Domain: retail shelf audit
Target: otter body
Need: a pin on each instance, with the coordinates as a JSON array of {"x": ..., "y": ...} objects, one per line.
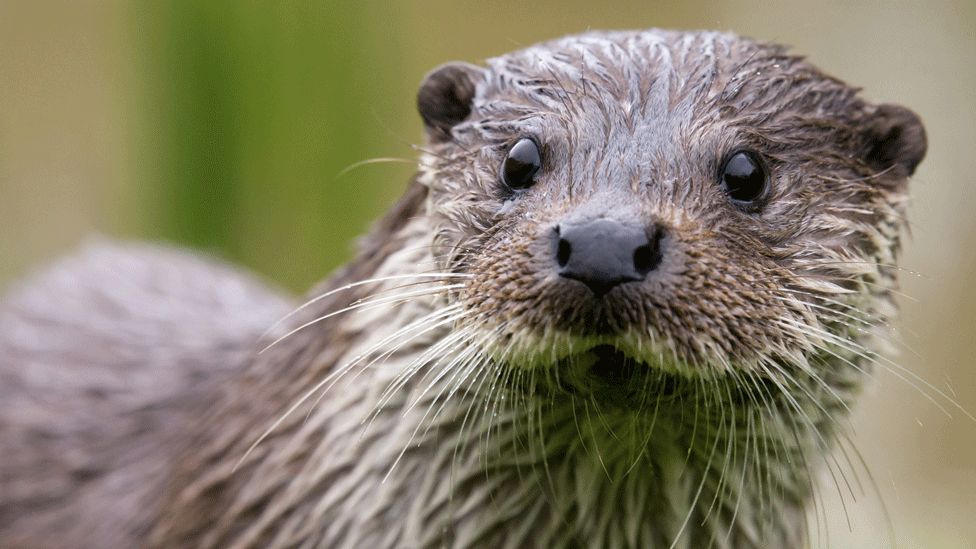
[{"x": 627, "y": 301}]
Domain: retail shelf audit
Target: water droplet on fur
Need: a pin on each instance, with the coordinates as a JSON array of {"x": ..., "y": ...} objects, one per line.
[{"x": 507, "y": 207}]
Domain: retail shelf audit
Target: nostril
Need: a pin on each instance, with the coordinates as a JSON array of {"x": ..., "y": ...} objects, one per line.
[
  {"x": 648, "y": 256},
  {"x": 644, "y": 259},
  {"x": 563, "y": 252}
]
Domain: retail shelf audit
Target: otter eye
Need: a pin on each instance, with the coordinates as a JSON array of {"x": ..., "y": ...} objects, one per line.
[
  {"x": 744, "y": 177},
  {"x": 521, "y": 164}
]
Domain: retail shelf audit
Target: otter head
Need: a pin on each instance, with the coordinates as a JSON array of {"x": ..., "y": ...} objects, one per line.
[{"x": 697, "y": 204}]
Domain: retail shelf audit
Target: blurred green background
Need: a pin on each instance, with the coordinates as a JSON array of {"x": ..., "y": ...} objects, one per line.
[{"x": 225, "y": 125}]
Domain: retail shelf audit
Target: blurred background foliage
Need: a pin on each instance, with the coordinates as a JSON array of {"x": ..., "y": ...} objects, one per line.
[
  {"x": 229, "y": 127},
  {"x": 256, "y": 109}
]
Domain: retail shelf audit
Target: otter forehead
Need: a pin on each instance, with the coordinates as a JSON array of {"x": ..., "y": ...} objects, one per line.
[
  {"x": 655, "y": 85},
  {"x": 632, "y": 76},
  {"x": 635, "y": 108}
]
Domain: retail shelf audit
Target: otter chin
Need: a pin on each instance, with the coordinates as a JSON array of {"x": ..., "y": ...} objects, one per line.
[
  {"x": 609, "y": 375},
  {"x": 628, "y": 300}
]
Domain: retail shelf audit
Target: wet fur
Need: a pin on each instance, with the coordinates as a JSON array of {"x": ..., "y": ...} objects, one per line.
[{"x": 458, "y": 415}]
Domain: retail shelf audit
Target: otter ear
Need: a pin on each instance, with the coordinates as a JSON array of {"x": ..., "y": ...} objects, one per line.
[
  {"x": 445, "y": 97},
  {"x": 896, "y": 141}
]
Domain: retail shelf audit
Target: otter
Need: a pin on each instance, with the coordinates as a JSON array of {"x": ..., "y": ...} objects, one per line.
[{"x": 628, "y": 300}]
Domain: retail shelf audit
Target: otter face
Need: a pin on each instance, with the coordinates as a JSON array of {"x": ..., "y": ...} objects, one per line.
[{"x": 696, "y": 202}]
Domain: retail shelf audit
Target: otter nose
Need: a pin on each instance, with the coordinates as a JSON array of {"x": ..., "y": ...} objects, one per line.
[{"x": 604, "y": 253}]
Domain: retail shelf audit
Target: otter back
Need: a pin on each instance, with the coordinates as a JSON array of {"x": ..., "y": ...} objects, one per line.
[{"x": 99, "y": 357}]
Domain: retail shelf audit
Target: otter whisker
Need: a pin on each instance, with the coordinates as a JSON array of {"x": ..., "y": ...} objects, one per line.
[
  {"x": 473, "y": 403},
  {"x": 698, "y": 492},
  {"x": 869, "y": 329},
  {"x": 642, "y": 447},
  {"x": 595, "y": 439},
  {"x": 535, "y": 422},
  {"x": 347, "y": 287},
  {"x": 845, "y": 306},
  {"x": 489, "y": 413},
  {"x": 445, "y": 345},
  {"x": 834, "y": 462},
  {"x": 806, "y": 468},
  {"x": 472, "y": 349},
  {"x": 476, "y": 412},
  {"x": 831, "y": 419},
  {"x": 370, "y": 161},
  {"x": 890, "y": 366},
  {"x": 861, "y": 325},
  {"x": 460, "y": 445},
  {"x": 859, "y": 279},
  {"x": 365, "y": 305},
  {"x": 730, "y": 449},
  {"x": 497, "y": 388},
  {"x": 380, "y": 358},
  {"x": 853, "y": 261},
  {"x": 603, "y": 420},
  {"x": 405, "y": 447},
  {"x": 807, "y": 369},
  {"x": 875, "y": 175},
  {"x": 889, "y": 523},
  {"x": 461, "y": 367},
  {"x": 761, "y": 456},
  {"x": 742, "y": 480},
  {"x": 341, "y": 371},
  {"x": 791, "y": 379}
]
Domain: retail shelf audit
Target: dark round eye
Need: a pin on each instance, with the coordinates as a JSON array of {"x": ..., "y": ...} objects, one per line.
[
  {"x": 744, "y": 177},
  {"x": 521, "y": 164}
]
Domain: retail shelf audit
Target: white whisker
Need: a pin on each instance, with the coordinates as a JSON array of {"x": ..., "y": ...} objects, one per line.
[{"x": 436, "y": 276}]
